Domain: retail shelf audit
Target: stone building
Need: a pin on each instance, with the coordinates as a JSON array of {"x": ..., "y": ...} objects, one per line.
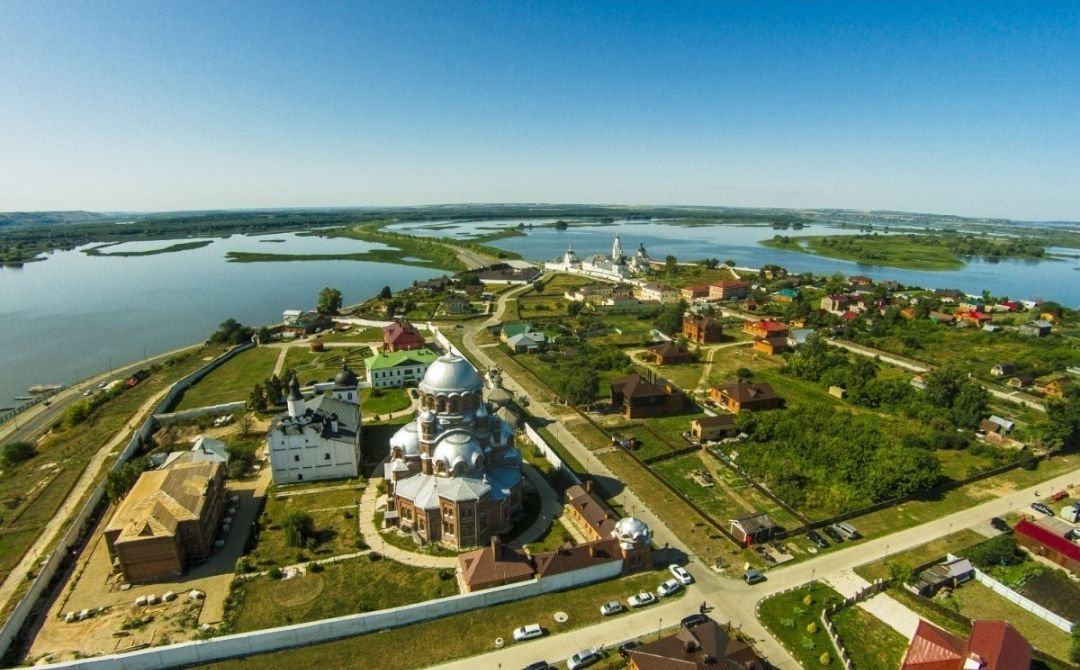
[
  {"x": 167, "y": 521},
  {"x": 454, "y": 472}
]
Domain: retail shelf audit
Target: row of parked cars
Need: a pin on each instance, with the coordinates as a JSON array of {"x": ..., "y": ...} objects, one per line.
[
  {"x": 586, "y": 657},
  {"x": 837, "y": 532}
]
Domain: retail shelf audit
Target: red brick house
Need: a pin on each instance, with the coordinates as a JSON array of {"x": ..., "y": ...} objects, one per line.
[
  {"x": 402, "y": 336},
  {"x": 702, "y": 329}
]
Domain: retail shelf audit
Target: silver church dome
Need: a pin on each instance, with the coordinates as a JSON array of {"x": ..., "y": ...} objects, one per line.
[
  {"x": 408, "y": 439},
  {"x": 632, "y": 531},
  {"x": 458, "y": 448},
  {"x": 451, "y": 373}
]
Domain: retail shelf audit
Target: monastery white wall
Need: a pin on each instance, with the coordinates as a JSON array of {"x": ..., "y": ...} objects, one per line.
[{"x": 300, "y": 635}]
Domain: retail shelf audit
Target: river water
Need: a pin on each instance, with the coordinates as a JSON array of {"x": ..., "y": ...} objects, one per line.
[
  {"x": 74, "y": 315},
  {"x": 1056, "y": 280}
]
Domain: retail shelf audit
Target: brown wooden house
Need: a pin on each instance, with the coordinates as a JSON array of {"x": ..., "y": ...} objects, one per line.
[{"x": 639, "y": 397}]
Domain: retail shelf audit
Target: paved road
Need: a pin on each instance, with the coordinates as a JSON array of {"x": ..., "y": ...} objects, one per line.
[{"x": 34, "y": 422}]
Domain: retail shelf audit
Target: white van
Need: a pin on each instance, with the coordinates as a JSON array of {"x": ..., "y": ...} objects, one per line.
[{"x": 847, "y": 530}]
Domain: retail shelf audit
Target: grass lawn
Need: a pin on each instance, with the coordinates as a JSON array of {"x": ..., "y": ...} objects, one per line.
[
  {"x": 787, "y": 616},
  {"x": 701, "y": 539},
  {"x": 870, "y": 642},
  {"x": 357, "y": 334},
  {"x": 457, "y": 636},
  {"x": 555, "y": 537},
  {"x": 321, "y": 366},
  {"x": 31, "y": 492},
  {"x": 336, "y": 533},
  {"x": 977, "y": 601},
  {"x": 233, "y": 380},
  {"x": 387, "y": 401},
  {"x": 730, "y": 498},
  {"x": 921, "y": 554},
  {"x": 359, "y": 585}
]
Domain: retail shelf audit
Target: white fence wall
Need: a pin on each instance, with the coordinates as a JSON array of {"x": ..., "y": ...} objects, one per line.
[
  {"x": 1019, "y": 600},
  {"x": 549, "y": 453},
  {"x": 299, "y": 635},
  {"x": 224, "y": 408}
]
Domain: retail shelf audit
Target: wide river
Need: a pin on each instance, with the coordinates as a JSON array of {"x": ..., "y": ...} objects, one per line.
[
  {"x": 1056, "y": 280},
  {"x": 74, "y": 315}
]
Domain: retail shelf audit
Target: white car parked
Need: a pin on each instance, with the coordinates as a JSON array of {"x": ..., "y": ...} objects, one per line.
[
  {"x": 528, "y": 632},
  {"x": 611, "y": 607},
  {"x": 642, "y": 599},
  {"x": 668, "y": 588},
  {"x": 680, "y": 574}
]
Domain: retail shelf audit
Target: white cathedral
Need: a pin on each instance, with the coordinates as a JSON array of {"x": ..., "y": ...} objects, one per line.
[{"x": 617, "y": 267}]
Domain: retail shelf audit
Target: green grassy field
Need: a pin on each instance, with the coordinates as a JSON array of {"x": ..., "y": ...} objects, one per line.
[
  {"x": 321, "y": 366},
  {"x": 349, "y": 587},
  {"x": 870, "y": 642},
  {"x": 729, "y": 498},
  {"x": 336, "y": 527},
  {"x": 387, "y": 401},
  {"x": 457, "y": 636},
  {"x": 233, "y": 380},
  {"x": 787, "y": 616}
]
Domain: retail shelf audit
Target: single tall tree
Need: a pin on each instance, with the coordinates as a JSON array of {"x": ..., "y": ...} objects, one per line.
[{"x": 329, "y": 301}]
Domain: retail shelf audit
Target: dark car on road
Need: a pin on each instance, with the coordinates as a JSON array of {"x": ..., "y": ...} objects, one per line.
[
  {"x": 817, "y": 539},
  {"x": 693, "y": 620},
  {"x": 833, "y": 534},
  {"x": 625, "y": 647},
  {"x": 999, "y": 525},
  {"x": 1039, "y": 507},
  {"x": 539, "y": 665}
]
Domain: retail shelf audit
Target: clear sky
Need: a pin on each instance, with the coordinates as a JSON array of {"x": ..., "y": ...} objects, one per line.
[{"x": 968, "y": 108}]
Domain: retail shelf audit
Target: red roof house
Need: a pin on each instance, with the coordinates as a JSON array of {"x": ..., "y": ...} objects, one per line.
[
  {"x": 992, "y": 645},
  {"x": 765, "y": 328},
  {"x": 1038, "y": 540},
  {"x": 402, "y": 336}
]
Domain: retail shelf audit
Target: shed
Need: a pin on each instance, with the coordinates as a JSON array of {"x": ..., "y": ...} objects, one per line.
[{"x": 753, "y": 528}]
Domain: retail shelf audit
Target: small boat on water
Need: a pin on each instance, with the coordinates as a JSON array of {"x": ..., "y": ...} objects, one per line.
[
  {"x": 45, "y": 388},
  {"x": 24, "y": 397}
]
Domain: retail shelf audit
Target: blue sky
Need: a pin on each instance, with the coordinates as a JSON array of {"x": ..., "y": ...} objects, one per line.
[{"x": 962, "y": 108}]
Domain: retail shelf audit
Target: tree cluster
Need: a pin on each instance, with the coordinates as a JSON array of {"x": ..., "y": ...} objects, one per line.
[
  {"x": 120, "y": 481},
  {"x": 830, "y": 459},
  {"x": 14, "y": 453},
  {"x": 232, "y": 331},
  {"x": 576, "y": 377},
  {"x": 299, "y": 528}
]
